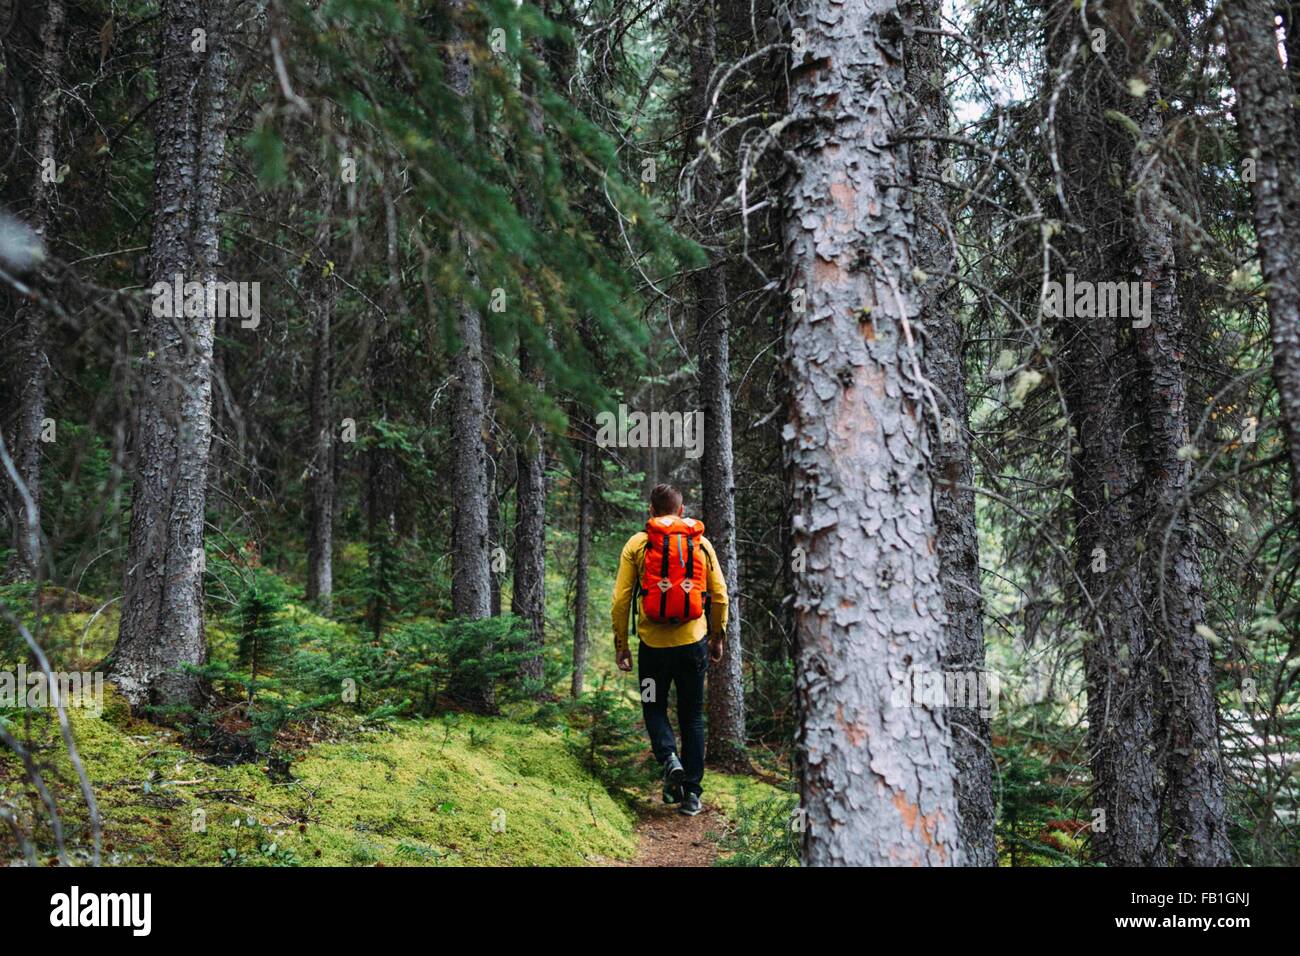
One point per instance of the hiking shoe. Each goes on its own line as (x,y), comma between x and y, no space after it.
(673,777)
(690,805)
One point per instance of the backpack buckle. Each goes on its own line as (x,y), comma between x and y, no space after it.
(664,584)
(686,585)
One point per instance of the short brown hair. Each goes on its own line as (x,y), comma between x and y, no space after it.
(665,500)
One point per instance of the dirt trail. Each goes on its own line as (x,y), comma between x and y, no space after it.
(669,839)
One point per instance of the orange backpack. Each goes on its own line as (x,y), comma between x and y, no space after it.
(675,577)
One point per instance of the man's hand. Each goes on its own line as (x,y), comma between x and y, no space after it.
(716,649)
(624,659)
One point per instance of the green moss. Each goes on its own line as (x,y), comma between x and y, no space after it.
(729,790)
(74,630)
(459,790)
(484,792)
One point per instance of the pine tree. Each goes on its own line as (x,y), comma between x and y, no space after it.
(34,368)
(162,610)
(868,596)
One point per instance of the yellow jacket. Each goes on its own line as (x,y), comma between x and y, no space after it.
(631,565)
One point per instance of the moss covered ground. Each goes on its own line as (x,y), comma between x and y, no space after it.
(445,790)
(457,791)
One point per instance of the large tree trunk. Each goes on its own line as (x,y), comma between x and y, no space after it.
(1117,648)
(875,766)
(954,473)
(320,539)
(1184,690)
(726,743)
(1270,136)
(33,364)
(161,627)
(1095,367)
(580,587)
(528,597)
(471,584)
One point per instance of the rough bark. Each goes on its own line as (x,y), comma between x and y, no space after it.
(726,741)
(320,470)
(1096,370)
(1188,741)
(954,473)
(161,629)
(528,597)
(583,559)
(875,768)
(1269,132)
(471,587)
(32,363)
(1117,649)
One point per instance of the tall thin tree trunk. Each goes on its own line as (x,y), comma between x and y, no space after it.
(875,767)
(496,484)
(1189,731)
(1096,370)
(528,597)
(320,539)
(1117,648)
(726,743)
(954,495)
(1270,137)
(381,468)
(33,364)
(376,536)
(380,491)
(161,629)
(471,587)
(580,586)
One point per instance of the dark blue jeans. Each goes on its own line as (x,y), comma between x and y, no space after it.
(684,667)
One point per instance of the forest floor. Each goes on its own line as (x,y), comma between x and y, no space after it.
(450,789)
(667,838)
(427,792)
(458,790)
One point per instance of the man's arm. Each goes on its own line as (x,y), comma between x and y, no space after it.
(717,586)
(624,590)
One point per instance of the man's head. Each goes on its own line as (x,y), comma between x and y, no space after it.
(665,500)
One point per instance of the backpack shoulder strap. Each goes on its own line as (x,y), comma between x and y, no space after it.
(711,560)
(709,554)
(638,566)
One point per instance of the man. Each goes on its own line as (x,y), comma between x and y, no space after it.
(681,620)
